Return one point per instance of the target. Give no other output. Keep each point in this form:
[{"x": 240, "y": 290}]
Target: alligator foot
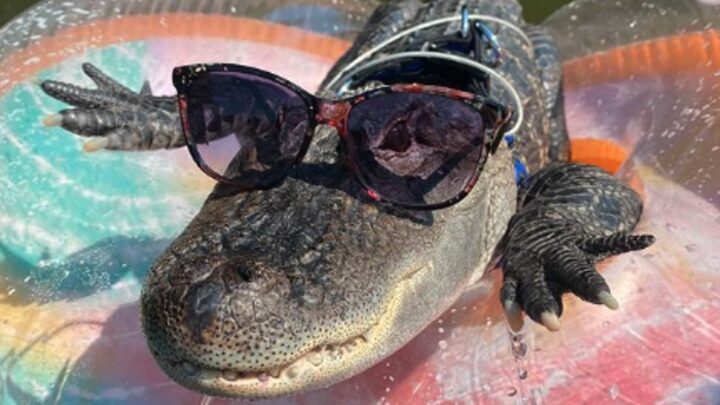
[
  {"x": 116, "y": 117},
  {"x": 570, "y": 217}
]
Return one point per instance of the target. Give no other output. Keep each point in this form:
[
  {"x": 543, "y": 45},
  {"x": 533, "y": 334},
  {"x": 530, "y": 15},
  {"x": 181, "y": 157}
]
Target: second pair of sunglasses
[{"x": 410, "y": 145}]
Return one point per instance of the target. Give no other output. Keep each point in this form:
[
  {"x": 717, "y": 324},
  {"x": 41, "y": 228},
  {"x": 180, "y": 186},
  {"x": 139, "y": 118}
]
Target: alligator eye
[{"x": 202, "y": 302}]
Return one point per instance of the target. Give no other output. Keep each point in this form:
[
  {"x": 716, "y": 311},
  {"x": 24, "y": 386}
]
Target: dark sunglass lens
[
  {"x": 248, "y": 129},
  {"x": 416, "y": 149}
]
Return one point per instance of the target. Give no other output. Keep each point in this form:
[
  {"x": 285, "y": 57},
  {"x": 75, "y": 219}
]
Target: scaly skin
[{"x": 275, "y": 292}]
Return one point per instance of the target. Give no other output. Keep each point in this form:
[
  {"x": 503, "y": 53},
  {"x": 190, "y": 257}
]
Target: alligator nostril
[
  {"x": 245, "y": 273},
  {"x": 202, "y": 302}
]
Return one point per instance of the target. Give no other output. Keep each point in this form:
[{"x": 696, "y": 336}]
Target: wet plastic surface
[{"x": 89, "y": 225}]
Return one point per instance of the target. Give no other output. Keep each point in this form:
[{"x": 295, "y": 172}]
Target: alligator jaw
[{"x": 318, "y": 368}]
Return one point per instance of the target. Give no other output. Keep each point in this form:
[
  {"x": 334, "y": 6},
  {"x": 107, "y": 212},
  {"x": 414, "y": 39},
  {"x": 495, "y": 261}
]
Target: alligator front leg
[
  {"x": 570, "y": 217},
  {"x": 116, "y": 117}
]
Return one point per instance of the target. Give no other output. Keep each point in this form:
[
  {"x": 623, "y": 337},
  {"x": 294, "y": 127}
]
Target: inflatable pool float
[{"x": 645, "y": 87}]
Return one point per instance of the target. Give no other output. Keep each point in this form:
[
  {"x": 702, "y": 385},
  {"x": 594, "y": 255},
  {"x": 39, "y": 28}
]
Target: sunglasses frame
[{"x": 335, "y": 113}]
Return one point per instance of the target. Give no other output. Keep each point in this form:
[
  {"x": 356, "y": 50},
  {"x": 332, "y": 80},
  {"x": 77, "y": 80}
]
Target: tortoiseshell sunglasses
[{"x": 414, "y": 146}]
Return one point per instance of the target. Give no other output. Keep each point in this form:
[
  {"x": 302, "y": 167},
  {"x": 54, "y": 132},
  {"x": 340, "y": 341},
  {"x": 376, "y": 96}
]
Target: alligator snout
[{"x": 243, "y": 313}]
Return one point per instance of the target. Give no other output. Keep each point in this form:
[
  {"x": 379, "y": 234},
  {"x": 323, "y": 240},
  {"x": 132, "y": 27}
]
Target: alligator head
[{"x": 294, "y": 288}]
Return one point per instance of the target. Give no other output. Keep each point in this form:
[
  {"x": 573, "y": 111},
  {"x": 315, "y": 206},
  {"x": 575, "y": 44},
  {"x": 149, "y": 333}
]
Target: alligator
[{"x": 274, "y": 292}]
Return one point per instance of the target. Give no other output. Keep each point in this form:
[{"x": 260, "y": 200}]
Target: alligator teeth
[
  {"x": 292, "y": 372},
  {"x": 335, "y": 352},
  {"x": 275, "y": 372},
  {"x": 367, "y": 335},
  {"x": 230, "y": 375},
  {"x": 316, "y": 358}
]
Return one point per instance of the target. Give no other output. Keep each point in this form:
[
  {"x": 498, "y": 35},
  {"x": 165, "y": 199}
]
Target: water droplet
[
  {"x": 441, "y": 330},
  {"x": 522, "y": 373},
  {"x": 519, "y": 349},
  {"x": 442, "y": 344},
  {"x": 528, "y": 400},
  {"x": 537, "y": 395},
  {"x": 511, "y": 392},
  {"x": 614, "y": 391}
]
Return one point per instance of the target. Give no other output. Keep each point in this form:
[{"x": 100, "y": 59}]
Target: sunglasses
[{"x": 409, "y": 145}]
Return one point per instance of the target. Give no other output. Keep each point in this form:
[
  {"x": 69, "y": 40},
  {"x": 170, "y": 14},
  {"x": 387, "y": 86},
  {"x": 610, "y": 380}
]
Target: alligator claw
[
  {"x": 549, "y": 248},
  {"x": 550, "y": 321},
  {"x": 513, "y": 313},
  {"x": 121, "y": 118},
  {"x": 54, "y": 120},
  {"x": 608, "y": 300},
  {"x": 96, "y": 145}
]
